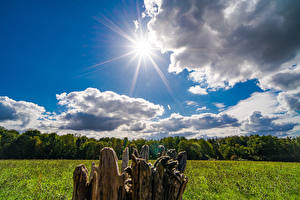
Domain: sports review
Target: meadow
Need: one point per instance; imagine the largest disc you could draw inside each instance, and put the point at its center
(52, 179)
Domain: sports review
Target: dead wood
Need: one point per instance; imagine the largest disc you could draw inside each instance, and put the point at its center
(140, 181)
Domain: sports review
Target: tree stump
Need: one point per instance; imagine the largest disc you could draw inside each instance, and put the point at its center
(162, 150)
(182, 157)
(140, 181)
(145, 152)
(125, 159)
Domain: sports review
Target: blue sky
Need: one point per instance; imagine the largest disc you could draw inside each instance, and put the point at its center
(225, 76)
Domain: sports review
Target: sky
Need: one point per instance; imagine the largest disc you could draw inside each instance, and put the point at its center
(152, 68)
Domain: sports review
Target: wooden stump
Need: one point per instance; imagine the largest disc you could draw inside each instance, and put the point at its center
(125, 159)
(141, 181)
(145, 152)
(80, 183)
(182, 157)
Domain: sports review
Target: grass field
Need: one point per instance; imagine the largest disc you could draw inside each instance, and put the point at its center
(52, 179)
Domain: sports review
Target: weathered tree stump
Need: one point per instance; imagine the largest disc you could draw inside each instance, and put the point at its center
(162, 150)
(80, 183)
(141, 181)
(182, 157)
(145, 152)
(172, 153)
(125, 159)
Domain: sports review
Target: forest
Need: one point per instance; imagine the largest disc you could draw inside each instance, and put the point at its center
(33, 144)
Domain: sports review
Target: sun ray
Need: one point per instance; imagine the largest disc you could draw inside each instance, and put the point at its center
(166, 83)
(97, 66)
(135, 76)
(140, 47)
(112, 59)
(160, 73)
(132, 58)
(115, 28)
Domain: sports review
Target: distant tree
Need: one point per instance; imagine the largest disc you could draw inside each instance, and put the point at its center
(34, 144)
(69, 146)
(91, 150)
(206, 149)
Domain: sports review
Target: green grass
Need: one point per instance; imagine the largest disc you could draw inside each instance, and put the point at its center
(52, 179)
(243, 180)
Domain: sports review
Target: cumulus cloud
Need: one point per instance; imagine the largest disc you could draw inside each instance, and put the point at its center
(92, 109)
(177, 122)
(263, 113)
(87, 121)
(107, 114)
(265, 102)
(287, 83)
(20, 114)
(259, 124)
(197, 90)
(6, 111)
(224, 42)
(138, 126)
(287, 79)
(290, 100)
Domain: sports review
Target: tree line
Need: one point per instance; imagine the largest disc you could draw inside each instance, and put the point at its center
(33, 144)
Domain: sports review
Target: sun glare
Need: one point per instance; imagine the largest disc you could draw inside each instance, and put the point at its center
(142, 47)
(139, 48)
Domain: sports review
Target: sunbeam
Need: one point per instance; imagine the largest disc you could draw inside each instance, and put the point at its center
(135, 76)
(112, 59)
(160, 73)
(96, 67)
(115, 28)
(140, 47)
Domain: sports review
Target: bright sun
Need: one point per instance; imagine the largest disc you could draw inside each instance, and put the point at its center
(142, 47)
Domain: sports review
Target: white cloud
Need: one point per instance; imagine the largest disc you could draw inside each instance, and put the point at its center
(20, 115)
(287, 82)
(225, 42)
(262, 113)
(197, 90)
(201, 108)
(191, 103)
(195, 126)
(219, 105)
(265, 102)
(169, 107)
(259, 124)
(286, 79)
(290, 100)
(92, 109)
(106, 114)
(136, 24)
(196, 106)
(137, 126)
(177, 122)
(221, 43)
